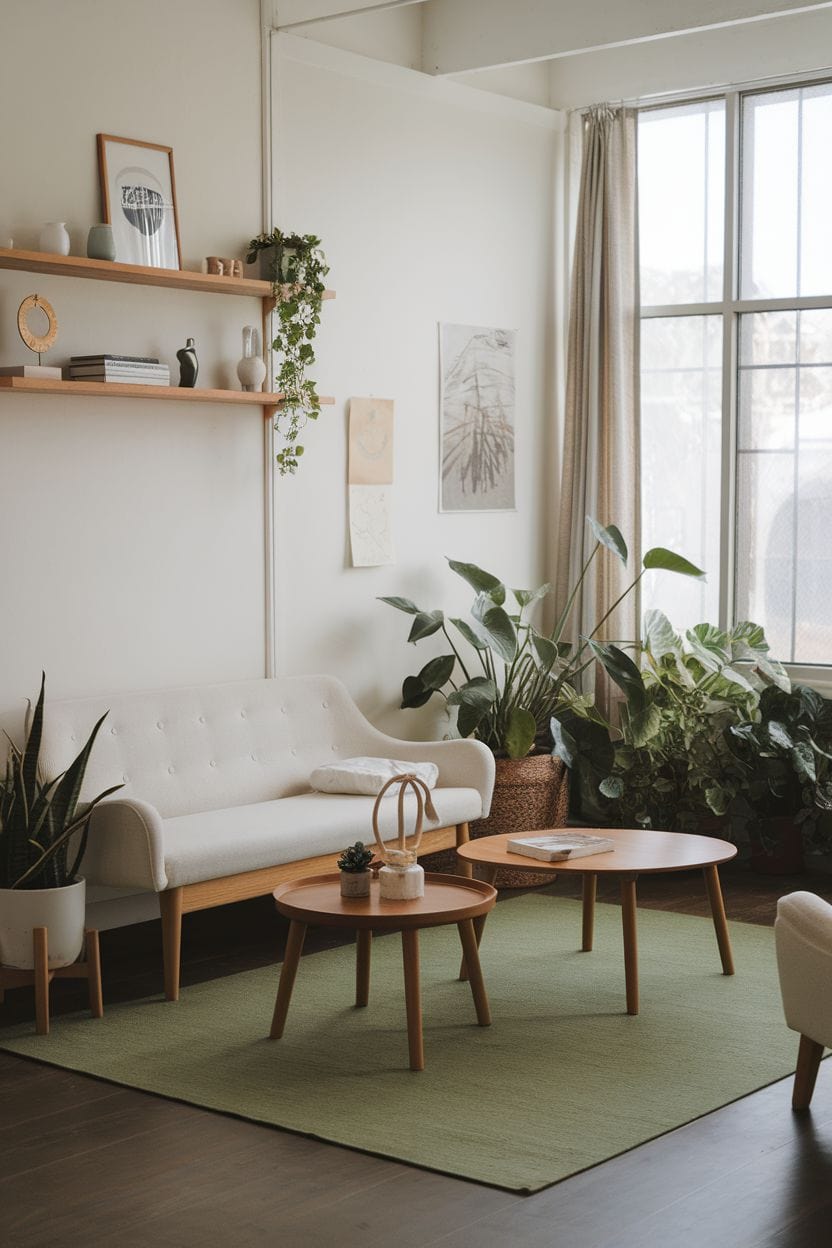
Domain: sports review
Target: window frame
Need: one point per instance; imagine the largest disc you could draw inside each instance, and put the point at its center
(731, 307)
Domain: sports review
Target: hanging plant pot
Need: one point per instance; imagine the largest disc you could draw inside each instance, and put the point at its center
(60, 910)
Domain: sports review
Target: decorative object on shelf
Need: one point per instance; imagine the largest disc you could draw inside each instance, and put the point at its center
(401, 878)
(138, 196)
(188, 365)
(222, 266)
(34, 341)
(40, 890)
(354, 865)
(370, 480)
(101, 245)
(251, 368)
(477, 418)
(54, 238)
(297, 268)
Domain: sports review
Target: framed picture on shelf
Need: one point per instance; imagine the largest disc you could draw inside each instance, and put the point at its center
(138, 199)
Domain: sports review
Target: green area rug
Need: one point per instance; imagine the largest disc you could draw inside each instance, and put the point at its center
(562, 1080)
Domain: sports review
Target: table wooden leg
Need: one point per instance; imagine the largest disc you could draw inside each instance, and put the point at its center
(488, 873)
(463, 835)
(628, 916)
(712, 884)
(41, 951)
(590, 882)
(468, 936)
(413, 998)
(93, 960)
(363, 950)
(291, 958)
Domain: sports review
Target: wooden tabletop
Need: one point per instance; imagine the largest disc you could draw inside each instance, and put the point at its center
(448, 899)
(637, 851)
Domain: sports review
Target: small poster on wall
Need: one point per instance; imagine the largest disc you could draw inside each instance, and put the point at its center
(477, 418)
(138, 197)
(371, 481)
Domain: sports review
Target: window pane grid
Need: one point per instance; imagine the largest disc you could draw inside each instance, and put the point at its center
(776, 422)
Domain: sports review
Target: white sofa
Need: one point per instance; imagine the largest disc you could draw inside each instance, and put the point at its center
(216, 804)
(803, 937)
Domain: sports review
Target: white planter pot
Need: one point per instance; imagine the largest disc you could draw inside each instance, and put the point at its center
(60, 910)
(355, 883)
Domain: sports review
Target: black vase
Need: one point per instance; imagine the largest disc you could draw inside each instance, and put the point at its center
(188, 364)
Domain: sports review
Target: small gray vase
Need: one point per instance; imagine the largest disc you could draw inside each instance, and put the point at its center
(100, 243)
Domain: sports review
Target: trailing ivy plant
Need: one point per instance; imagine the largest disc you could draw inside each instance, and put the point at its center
(504, 676)
(298, 268)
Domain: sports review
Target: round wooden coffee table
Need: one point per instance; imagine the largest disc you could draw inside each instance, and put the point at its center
(637, 852)
(448, 899)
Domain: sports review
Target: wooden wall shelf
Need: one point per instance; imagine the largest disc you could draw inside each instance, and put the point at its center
(132, 390)
(135, 274)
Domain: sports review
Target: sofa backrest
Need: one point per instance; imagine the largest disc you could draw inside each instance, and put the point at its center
(207, 747)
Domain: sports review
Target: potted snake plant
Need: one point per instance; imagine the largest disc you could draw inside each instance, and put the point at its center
(43, 835)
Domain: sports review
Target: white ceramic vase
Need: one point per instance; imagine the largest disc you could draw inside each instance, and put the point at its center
(54, 238)
(251, 369)
(60, 910)
(355, 883)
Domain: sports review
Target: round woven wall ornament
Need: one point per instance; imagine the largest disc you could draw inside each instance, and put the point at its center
(37, 342)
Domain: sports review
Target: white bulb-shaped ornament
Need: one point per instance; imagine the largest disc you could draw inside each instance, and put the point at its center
(251, 369)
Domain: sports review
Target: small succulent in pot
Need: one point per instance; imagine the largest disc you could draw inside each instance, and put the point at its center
(354, 865)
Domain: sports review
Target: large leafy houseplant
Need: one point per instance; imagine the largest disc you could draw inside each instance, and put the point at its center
(504, 676)
(39, 819)
(297, 270)
(667, 763)
(784, 758)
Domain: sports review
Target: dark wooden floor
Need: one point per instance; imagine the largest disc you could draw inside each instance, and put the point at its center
(84, 1162)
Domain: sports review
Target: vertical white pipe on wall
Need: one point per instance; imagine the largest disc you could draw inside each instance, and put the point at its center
(266, 32)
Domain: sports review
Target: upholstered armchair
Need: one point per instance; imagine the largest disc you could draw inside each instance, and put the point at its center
(803, 936)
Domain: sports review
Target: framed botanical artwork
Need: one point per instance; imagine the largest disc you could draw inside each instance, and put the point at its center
(138, 199)
(477, 401)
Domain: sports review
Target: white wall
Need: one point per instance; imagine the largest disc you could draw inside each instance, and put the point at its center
(434, 202)
(131, 533)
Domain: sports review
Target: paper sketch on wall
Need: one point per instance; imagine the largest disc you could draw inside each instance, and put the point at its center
(371, 481)
(477, 418)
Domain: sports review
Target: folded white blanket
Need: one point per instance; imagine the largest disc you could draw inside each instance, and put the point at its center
(368, 776)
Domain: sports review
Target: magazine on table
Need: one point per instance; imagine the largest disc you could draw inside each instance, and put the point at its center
(558, 846)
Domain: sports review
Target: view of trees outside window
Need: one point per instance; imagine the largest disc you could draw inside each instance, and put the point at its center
(776, 495)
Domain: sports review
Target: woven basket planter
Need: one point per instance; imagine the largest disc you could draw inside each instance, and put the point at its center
(529, 794)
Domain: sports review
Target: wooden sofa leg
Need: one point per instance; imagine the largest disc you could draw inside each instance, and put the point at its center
(463, 834)
(170, 906)
(808, 1061)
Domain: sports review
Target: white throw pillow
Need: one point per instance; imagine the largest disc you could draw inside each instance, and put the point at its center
(369, 775)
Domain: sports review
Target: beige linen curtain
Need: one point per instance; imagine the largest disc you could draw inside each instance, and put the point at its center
(600, 464)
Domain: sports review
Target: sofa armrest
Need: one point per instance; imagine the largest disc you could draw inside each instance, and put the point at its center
(803, 937)
(125, 846)
(463, 764)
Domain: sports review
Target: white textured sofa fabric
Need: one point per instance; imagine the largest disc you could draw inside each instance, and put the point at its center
(216, 778)
(803, 935)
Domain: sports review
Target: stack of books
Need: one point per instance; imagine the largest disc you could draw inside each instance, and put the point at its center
(134, 369)
(558, 846)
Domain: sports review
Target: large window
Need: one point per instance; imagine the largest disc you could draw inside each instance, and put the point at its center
(736, 288)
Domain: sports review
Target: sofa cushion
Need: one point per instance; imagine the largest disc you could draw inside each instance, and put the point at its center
(369, 775)
(267, 834)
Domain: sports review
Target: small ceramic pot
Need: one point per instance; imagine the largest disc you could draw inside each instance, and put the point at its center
(54, 238)
(355, 883)
(101, 245)
(398, 883)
